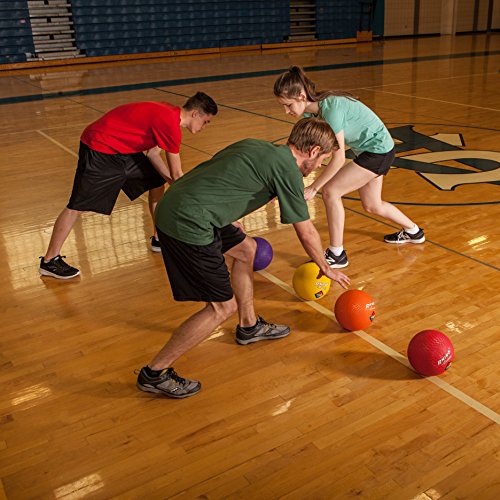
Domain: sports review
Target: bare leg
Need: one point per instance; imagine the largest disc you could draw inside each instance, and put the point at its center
(62, 227)
(154, 197)
(349, 178)
(242, 280)
(371, 197)
(193, 331)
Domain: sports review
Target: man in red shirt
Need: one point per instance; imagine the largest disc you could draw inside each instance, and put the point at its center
(112, 158)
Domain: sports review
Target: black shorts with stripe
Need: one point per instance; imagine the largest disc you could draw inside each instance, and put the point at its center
(198, 273)
(100, 177)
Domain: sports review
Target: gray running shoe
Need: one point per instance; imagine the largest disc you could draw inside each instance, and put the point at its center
(336, 262)
(168, 383)
(261, 331)
(404, 237)
(57, 268)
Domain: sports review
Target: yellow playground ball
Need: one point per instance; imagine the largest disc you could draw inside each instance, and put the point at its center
(306, 283)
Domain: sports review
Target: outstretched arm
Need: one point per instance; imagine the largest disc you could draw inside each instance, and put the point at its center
(333, 166)
(311, 241)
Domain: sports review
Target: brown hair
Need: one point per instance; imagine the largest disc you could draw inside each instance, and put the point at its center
(310, 132)
(292, 82)
(202, 102)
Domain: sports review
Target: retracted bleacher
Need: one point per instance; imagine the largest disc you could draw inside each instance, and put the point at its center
(106, 27)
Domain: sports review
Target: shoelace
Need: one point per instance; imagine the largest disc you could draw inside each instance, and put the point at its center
(263, 321)
(174, 376)
(401, 235)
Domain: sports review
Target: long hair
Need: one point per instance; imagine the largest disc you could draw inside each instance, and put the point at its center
(310, 132)
(294, 81)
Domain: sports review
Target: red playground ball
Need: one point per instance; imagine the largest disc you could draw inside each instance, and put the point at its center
(355, 310)
(430, 352)
(263, 255)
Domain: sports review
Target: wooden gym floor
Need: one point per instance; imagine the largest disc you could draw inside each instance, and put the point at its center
(321, 414)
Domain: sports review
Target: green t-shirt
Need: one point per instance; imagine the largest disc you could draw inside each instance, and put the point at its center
(236, 181)
(363, 129)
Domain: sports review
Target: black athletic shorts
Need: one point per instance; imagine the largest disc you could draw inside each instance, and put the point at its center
(378, 163)
(199, 273)
(99, 178)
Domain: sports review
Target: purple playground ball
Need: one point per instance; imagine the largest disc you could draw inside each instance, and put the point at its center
(263, 255)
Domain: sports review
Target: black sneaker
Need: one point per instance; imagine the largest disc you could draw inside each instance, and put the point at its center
(57, 268)
(404, 237)
(261, 331)
(168, 383)
(155, 244)
(336, 262)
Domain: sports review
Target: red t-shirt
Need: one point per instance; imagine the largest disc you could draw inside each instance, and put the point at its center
(136, 127)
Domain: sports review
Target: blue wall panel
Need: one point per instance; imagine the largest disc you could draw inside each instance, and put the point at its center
(15, 31)
(105, 27)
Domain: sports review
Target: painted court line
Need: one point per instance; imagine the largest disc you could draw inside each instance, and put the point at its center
(445, 386)
(435, 100)
(57, 143)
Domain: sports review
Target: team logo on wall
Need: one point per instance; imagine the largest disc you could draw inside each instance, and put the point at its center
(449, 162)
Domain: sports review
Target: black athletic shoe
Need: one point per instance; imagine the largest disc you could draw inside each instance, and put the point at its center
(168, 383)
(404, 237)
(261, 331)
(155, 245)
(336, 262)
(57, 268)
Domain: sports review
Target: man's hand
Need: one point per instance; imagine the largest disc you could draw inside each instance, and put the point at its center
(239, 225)
(310, 192)
(335, 275)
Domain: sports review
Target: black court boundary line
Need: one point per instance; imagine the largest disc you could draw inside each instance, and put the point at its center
(236, 76)
(427, 241)
(417, 204)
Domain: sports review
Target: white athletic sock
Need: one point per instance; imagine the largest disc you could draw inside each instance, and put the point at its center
(415, 230)
(336, 250)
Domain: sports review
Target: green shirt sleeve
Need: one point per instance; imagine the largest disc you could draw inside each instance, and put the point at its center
(289, 188)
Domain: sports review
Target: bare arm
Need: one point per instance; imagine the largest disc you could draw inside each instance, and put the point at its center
(335, 164)
(174, 169)
(311, 241)
(154, 156)
(174, 164)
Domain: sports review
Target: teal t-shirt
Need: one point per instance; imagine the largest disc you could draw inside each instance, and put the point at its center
(363, 129)
(236, 181)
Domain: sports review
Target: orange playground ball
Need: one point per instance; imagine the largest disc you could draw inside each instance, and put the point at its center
(430, 352)
(355, 310)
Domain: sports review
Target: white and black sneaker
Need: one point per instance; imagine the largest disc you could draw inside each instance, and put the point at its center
(155, 244)
(57, 268)
(403, 237)
(168, 383)
(334, 261)
(261, 331)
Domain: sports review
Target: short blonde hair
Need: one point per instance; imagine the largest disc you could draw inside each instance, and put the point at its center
(310, 132)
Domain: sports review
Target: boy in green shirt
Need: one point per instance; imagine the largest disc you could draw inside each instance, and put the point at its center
(195, 228)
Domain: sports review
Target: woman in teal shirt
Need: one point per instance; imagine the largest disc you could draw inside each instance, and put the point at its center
(357, 126)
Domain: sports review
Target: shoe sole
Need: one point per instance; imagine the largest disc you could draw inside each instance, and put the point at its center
(43, 272)
(258, 339)
(338, 266)
(158, 391)
(402, 242)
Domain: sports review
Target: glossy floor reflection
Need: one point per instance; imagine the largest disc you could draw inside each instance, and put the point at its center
(321, 414)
